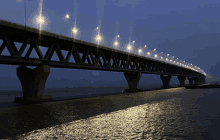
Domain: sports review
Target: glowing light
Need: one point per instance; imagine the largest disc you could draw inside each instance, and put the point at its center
(98, 38)
(74, 30)
(170, 60)
(40, 19)
(177, 58)
(116, 43)
(145, 46)
(118, 35)
(148, 53)
(97, 28)
(155, 49)
(168, 54)
(180, 64)
(155, 55)
(174, 61)
(129, 47)
(166, 59)
(139, 50)
(133, 41)
(67, 16)
(161, 57)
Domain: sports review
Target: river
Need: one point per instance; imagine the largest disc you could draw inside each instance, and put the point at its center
(175, 113)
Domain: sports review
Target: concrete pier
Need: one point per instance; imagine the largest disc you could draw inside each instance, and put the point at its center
(33, 83)
(196, 81)
(165, 80)
(133, 80)
(181, 80)
(190, 81)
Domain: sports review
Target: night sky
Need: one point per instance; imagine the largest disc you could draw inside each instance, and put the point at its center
(188, 30)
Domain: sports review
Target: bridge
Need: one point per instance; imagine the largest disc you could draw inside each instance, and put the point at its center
(86, 56)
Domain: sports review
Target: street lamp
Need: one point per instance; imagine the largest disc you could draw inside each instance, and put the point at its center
(74, 30)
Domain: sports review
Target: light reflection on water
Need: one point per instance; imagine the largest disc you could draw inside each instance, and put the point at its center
(162, 114)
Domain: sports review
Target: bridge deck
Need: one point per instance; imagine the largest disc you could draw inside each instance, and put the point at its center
(112, 60)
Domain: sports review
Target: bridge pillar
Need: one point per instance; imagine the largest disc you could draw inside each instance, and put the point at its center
(165, 80)
(181, 80)
(196, 81)
(190, 81)
(133, 80)
(200, 81)
(33, 83)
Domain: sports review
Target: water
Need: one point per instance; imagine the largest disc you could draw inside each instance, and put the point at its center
(176, 113)
(7, 97)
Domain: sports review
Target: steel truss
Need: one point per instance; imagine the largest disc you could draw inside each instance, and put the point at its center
(86, 55)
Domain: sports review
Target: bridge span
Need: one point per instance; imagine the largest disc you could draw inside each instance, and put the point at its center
(86, 56)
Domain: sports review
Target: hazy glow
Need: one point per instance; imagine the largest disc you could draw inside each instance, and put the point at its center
(97, 28)
(155, 55)
(74, 30)
(40, 20)
(161, 57)
(177, 58)
(139, 50)
(67, 16)
(148, 53)
(155, 49)
(168, 54)
(129, 47)
(133, 41)
(116, 43)
(170, 60)
(98, 38)
(145, 46)
(166, 59)
(118, 36)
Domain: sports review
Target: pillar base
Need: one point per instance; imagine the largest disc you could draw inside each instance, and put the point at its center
(130, 91)
(190, 81)
(33, 83)
(181, 80)
(165, 80)
(133, 80)
(45, 98)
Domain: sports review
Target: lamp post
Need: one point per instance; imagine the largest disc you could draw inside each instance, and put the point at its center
(74, 30)
(25, 12)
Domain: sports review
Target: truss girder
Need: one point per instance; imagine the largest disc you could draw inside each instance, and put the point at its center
(100, 59)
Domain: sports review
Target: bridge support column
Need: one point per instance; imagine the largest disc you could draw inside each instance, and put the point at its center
(200, 81)
(133, 80)
(165, 80)
(196, 81)
(33, 83)
(181, 80)
(190, 81)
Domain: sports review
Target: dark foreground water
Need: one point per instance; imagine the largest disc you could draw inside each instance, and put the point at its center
(176, 113)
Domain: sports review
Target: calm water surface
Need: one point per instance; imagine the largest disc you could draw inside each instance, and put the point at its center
(176, 113)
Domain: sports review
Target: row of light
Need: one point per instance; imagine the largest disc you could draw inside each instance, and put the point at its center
(98, 38)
